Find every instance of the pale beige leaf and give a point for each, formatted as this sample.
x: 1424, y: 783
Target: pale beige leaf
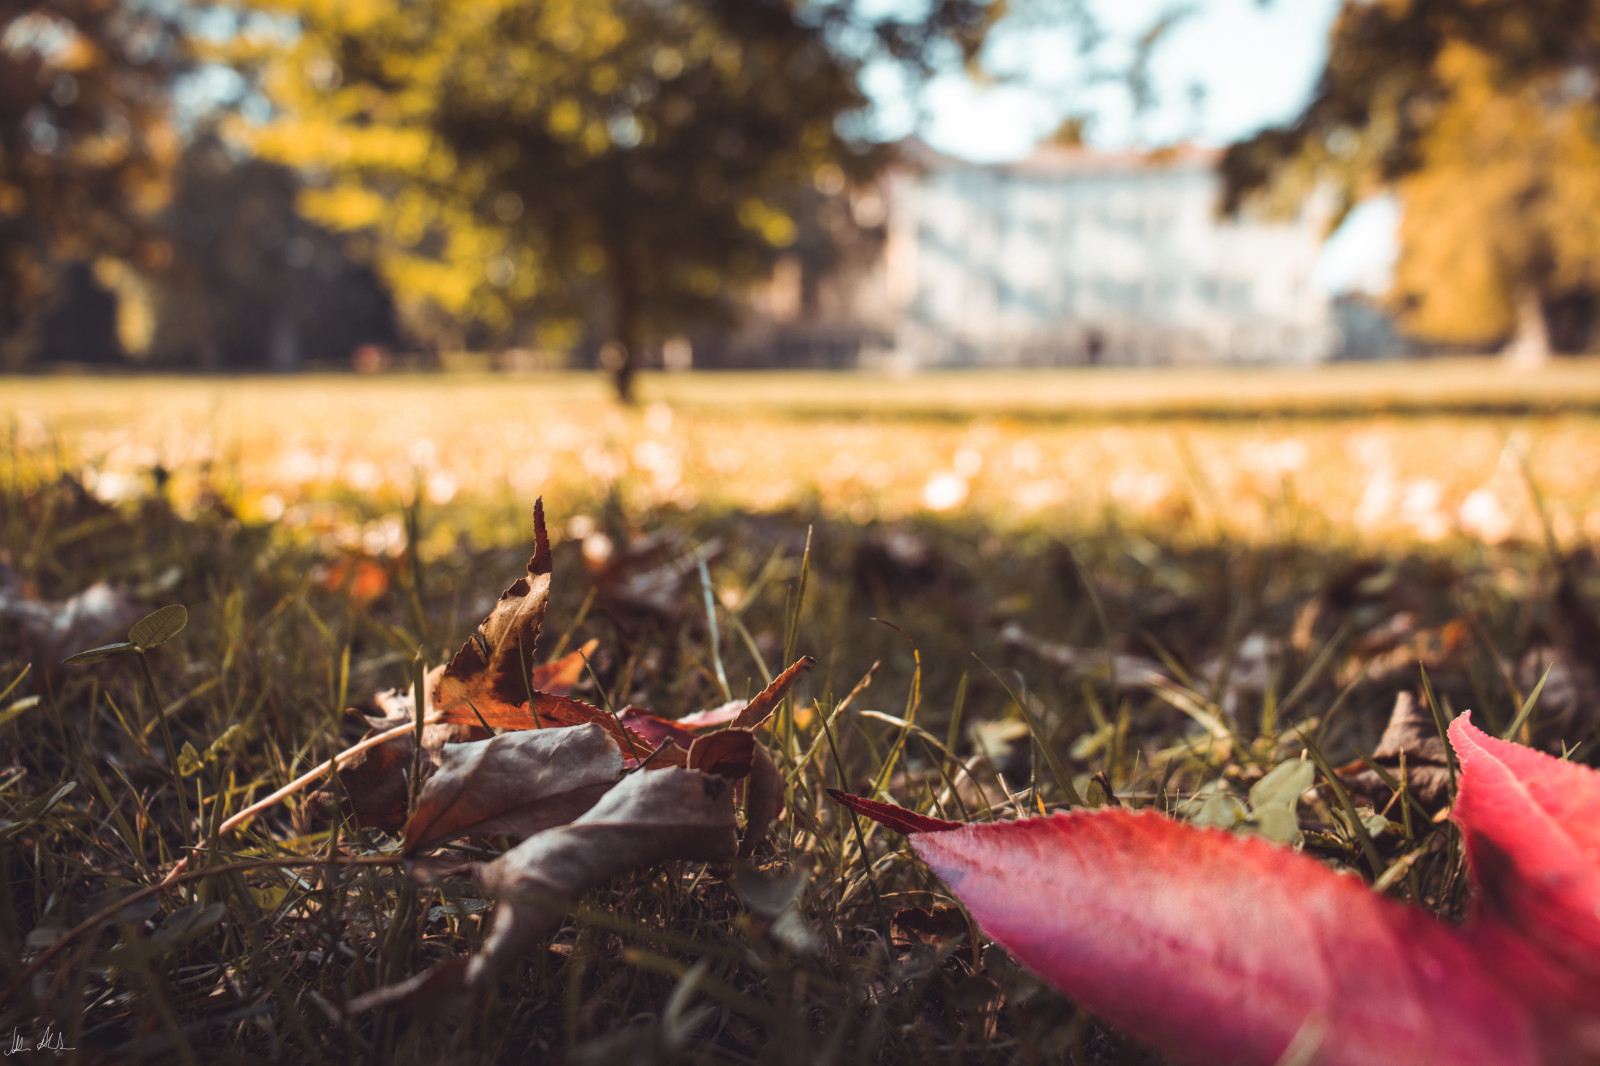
x: 517, y: 784
x: 649, y: 817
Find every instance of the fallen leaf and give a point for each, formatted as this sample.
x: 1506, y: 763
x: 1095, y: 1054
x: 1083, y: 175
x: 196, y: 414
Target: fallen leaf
x: 722, y: 714
x: 657, y: 730
x: 1397, y: 648
x: 727, y: 753
x: 439, y: 993
x: 1221, y: 949
x: 924, y: 927
x: 739, y: 713
x: 559, y: 677
x: 763, y: 800
x: 544, y: 711
x: 375, y: 787
x: 491, y: 681
x: 647, y: 818
x: 56, y: 628
x: 1531, y: 823
x: 640, y: 579
x: 515, y: 784
x: 760, y: 709
x: 360, y: 577
x: 1413, y: 734
x: 491, y: 676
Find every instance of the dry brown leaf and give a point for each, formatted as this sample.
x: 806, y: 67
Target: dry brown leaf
x: 1396, y: 649
x: 491, y: 676
x: 647, y: 818
x: 492, y: 681
x: 926, y: 927
x: 763, y: 800
x: 1413, y: 733
x: 726, y: 754
x: 516, y: 784
x: 545, y: 711
x: 760, y: 709
x: 375, y: 786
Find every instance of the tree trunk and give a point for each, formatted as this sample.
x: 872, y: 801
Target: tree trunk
x: 1530, y: 346
x: 625, y: 321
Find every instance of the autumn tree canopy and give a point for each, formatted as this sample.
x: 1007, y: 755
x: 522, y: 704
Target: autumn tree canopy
x: 86, y: 142
x: 616, y: 165
x: 1484, y: 115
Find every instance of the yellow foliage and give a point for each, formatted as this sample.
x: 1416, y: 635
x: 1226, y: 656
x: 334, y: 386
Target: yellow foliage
x: 1508, y: 195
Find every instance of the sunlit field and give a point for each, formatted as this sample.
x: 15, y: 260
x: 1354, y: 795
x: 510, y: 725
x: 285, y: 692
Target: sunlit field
x: 1444, y: 454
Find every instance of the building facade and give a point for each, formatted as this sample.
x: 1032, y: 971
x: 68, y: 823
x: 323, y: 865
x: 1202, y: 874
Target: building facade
x: 1069, y: 257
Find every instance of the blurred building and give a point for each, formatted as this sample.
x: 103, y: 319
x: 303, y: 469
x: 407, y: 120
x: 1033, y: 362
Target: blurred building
x: 1068, y: 257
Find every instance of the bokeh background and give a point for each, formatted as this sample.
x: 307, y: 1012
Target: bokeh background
x: 1058, y: 258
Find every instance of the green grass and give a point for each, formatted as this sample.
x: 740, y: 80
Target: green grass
x: 682, y: 963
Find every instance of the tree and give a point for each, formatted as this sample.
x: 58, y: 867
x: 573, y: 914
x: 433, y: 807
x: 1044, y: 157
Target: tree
x: 85, y: 144
x: 1484, y: 115
x: 251, y: 284
x: 622, y: 162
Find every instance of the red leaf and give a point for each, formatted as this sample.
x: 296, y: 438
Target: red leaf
x: 1532, y: 828
x: 656, y: 729
x: 740, y: 714
x: 897, y: 818
x: 1220, y: 949
x: 713, y: 716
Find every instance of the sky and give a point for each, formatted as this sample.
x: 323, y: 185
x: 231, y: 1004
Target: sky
x: 1225, y: 70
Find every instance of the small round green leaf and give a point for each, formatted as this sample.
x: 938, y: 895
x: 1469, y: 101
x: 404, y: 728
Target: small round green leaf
x: 159, y: 626
x: 1221, y: 810
x: 1283, y: 785
x: 189, y: 760
x: 94, y: 655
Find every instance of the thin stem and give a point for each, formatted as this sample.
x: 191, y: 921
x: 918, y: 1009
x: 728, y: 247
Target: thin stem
x: 166, y: 738
x: 418, y: 672
x: 173, y: 875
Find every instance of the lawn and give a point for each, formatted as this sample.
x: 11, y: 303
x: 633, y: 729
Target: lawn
x: 1282, y: 549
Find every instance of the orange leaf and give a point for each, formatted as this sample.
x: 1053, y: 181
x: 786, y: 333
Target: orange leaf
x: 492, y: 673
x: 760, y: 709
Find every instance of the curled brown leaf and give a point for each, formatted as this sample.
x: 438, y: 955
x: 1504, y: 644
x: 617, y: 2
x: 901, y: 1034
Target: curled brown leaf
x: 763, y: 800
x: 492, y: 673
x: 647, y: 818
x: 517, y: 784
x: 726, y: 754
x: 760, y: 709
